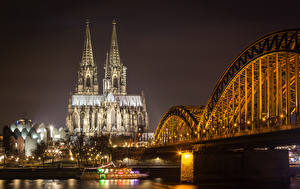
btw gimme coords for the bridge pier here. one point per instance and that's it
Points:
(187, 167)
(229, 166)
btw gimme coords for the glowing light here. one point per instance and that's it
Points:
(248, 122)
(51, 131)
(57, 136)
(187, 155)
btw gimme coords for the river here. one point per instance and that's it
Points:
(124, 184)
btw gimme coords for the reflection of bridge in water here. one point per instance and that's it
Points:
(254, 104)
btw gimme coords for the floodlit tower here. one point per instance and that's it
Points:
(87, 75)
(115, 72)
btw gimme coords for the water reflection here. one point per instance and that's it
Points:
(38, 183)
(53, 184)
(184, 186)
(71, 183)
(80, 184)
(120, 183)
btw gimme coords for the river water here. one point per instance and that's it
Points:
(125, 184)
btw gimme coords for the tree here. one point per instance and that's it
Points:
(77, 148)
(99, 146)
(40, 151)
(91, 148)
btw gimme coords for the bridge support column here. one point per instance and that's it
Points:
(187, 167)
(229, 166)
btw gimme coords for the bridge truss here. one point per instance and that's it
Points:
(258, 92)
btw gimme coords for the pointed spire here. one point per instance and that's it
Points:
(107, 74)
(114, 58)
(87, 57)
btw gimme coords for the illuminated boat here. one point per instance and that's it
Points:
(120, 173)
(107, 172)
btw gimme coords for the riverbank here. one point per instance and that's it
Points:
(40, 173)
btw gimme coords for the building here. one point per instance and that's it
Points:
(21, 138)
(113, 111)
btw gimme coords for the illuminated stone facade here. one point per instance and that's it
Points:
(112, 112)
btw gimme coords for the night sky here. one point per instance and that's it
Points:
(174, 50)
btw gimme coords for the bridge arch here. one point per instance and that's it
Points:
(258, 92)
(179, 123)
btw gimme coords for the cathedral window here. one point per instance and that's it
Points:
(88, 82)
(75, 120)
(81, 119)
(140, 120)
(115, 82)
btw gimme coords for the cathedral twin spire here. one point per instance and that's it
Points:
(87, 57)
(114, 57)
(87, 83)
(115, 72)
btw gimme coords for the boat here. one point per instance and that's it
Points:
(108, 172)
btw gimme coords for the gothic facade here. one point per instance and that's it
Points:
(113, 111)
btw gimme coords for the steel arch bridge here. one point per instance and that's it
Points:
(258, 92)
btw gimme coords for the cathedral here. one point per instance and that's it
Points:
(112, 112)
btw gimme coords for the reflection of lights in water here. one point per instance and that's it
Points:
(86, 184)
(102, 182)
(185, 187)
(72, 183)
(16, 183)
(39, 183)
(27, 183)
(136, 182)
(2, 183)
(118, 182)
(53, 184)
